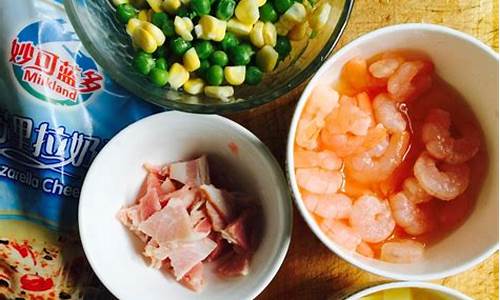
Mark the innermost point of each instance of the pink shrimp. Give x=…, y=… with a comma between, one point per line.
x=321, y=102
x=445, y=184
x=365, y=168
x=388, y=114
x=414, y=192
x=327, y=160
x=403, y=251
x=341, y=234
x=371, y=218
x=385, y=67
x=411, y=79
x=336, y=206
x=342, y=144
x=348, y=118
x=365, y=104
x=439, y=142
x=409, y=216
x=319, y=181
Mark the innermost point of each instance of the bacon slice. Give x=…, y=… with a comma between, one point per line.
x=185, y=255
x=193, y=173
x=194, y=279
x=220, y=200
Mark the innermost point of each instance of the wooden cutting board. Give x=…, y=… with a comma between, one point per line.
x=310, y=270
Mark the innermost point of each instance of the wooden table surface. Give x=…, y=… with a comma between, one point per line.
x=310, y=270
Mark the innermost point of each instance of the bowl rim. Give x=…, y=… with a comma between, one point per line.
x=332, y=246
x=218, y=107
x=269, y=271
x=407, y=284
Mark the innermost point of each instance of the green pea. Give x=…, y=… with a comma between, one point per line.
x=159, y=18
x=184, y=11
x=204, y=49
x=158, y=77
x=242, y=54
x=267, y=13
x=253, y=75
x=125, y=12
x=168, y=28
x=161, y=63
x=282, y=5
x=178, y=46
x=143, y=62
x=201, y=7
x=219, y=58
x=202, y=70
x=230, y=40
x=225, y=9
x=214, y=75
x=283, y=46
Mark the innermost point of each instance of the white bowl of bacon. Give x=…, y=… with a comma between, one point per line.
x=182, y=206
x=393, y=152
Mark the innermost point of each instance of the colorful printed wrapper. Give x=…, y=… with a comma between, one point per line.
x=57, y=110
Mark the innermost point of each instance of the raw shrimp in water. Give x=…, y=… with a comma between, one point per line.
x=341, y=234
x=439, y=142
x=414, y=192
x=446, y=182
x=336, y=206
x=321, y=102
x=410, y=80
x=410, y=216
x=319, y=181
x=387, y=113
x=327, y=160
x=404, y=251
x=371, y=218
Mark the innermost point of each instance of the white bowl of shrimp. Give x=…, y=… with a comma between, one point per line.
x=393, y=152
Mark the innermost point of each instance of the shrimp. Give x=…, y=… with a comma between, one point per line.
x=376, y=141
x=409, y=216
x=414, y=192
x=337, y=206
x=341, y=234
x=319, y=181
x=348, y=118
x=365, y=104
x=342, y=144
x=365, y=168
x=371, y=218
x=387, y=113
x=327, y=160
x=365, y=250
x=321, y=102
x=403, y=251
x=445, y=184
x=357, y=75
x=439, y=142
x=384, y=67
x=411, y=79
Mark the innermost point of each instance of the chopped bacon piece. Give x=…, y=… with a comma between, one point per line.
x=233, y=265
x=219, y=250
x=156, y=253
x=218, y=222
x=220, y=199
x=185, y=255
x=149, y=204
x=235, y=233
x=168, y=186
x=194, y=279
x=193, y=173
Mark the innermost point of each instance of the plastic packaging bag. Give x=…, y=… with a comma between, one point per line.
x=57, y=110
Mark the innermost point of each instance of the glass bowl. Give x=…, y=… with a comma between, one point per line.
x=104, y=37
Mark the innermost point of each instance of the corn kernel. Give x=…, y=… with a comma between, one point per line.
x=191, y=60
x=267, y=58
x=298, y=31
x=183, y=27
x=320, y=16
x=219, y=92
x=210, y=28
x=144, y=40
x=238, y=27
x=194, y=86
x=155, y=32
x=185, y=2
x=119, y=2
x=155, y=5
x=261, y=2
x=143, y=15
x=270, y=34
x=235, y=75
x=178, y=75
x=171, y=6
x=257, y=35
x=132, y=25
x=247, y=11
x=294, y=15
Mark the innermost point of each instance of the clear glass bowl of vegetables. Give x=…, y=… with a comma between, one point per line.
x=209, y=56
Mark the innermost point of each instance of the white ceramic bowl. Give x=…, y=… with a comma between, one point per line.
x=114, y=179
x=442, y=291
x=470, y=67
